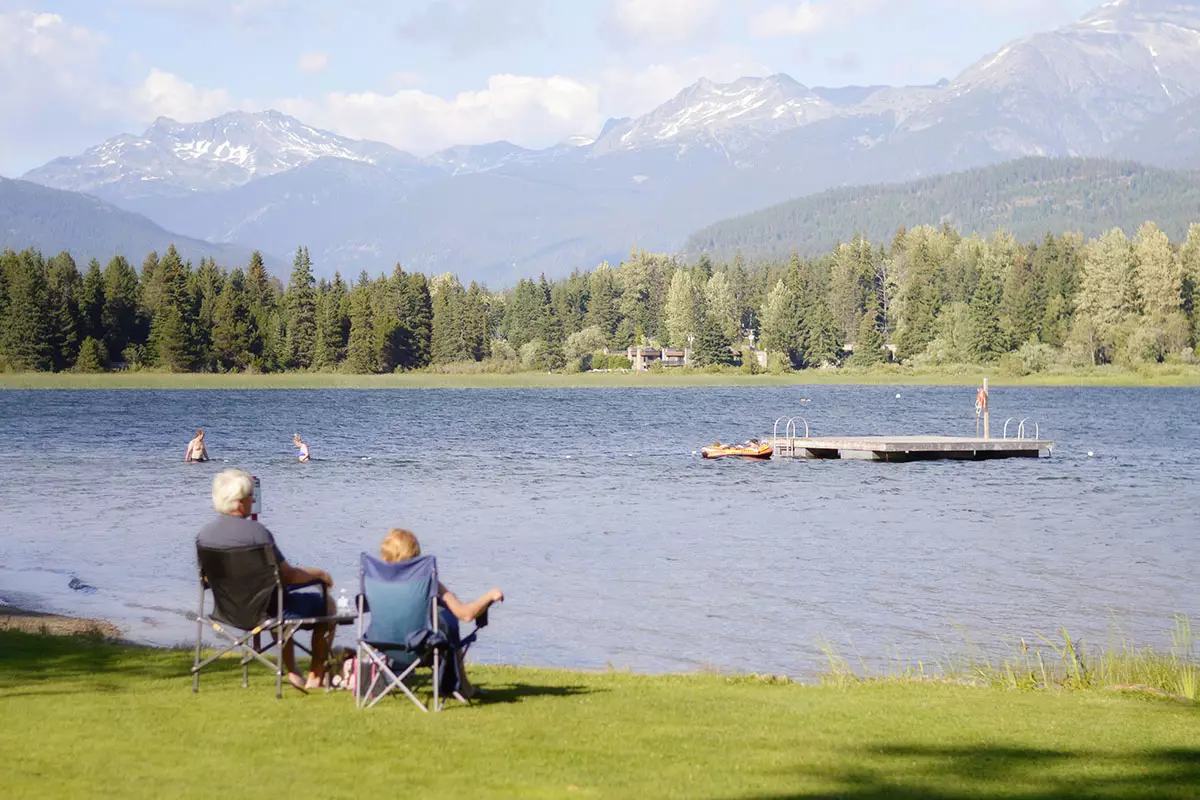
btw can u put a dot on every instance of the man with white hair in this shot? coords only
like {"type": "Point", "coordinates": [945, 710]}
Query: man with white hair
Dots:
{"type": "Point", "coordinates": [233, 497]}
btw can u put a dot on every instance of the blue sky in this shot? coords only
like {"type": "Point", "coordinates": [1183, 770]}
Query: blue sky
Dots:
{"type": "Point", "coordinates": [425, 74]}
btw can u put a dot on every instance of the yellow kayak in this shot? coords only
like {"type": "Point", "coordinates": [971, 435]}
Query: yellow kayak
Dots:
{"type": "Point", "coordinates": [741, 450]}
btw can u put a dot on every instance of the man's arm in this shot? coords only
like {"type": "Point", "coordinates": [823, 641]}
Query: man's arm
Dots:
{"type": "Point", "coordinates": [294, 575]}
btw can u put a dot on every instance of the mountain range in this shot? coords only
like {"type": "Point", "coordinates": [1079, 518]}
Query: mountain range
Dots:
{"type": "Point", "coordinates": [1123, 82]}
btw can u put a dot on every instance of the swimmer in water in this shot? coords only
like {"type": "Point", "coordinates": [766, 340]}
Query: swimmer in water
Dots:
{"type": "Point", "coordinates": [303, 447]}
{"type": "Point", "coordinates": [196, 451]}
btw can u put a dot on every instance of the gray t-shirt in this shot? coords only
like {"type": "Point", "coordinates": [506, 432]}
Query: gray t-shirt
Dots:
{"type": "Point", "coordinates": [227, 532]}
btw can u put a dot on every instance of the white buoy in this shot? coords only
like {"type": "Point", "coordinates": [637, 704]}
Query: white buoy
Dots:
{"type": "Point", "coordinates": [897, 396]}
{"type": "Point", "coordinates": [1090, 453]}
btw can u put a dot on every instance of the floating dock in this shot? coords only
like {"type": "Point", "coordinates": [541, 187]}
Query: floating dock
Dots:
{"type": "Point", "coordinates": [908, 448]}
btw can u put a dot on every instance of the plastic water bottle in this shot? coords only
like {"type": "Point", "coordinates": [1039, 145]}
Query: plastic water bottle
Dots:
{"type": "Point", "coordinates": [343, 603]}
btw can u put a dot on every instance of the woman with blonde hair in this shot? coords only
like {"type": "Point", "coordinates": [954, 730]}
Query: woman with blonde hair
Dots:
{"type": "Point", "coordinates": [402, 545]}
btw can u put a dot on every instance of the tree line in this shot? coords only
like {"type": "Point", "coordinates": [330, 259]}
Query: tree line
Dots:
{"type": "Point", "coordinates": [930, 296]}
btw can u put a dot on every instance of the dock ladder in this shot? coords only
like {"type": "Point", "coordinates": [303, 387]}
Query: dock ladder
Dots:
{"type": "Point", "coordinates": [786, 445]}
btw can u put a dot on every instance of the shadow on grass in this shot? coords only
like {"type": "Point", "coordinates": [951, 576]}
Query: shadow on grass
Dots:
{"type": "Point", "coordinates": [518, 692]}
{"type": "Point", "coordinates": [957, 773]}
{"type": "Point", "coordinates": [91, 663]}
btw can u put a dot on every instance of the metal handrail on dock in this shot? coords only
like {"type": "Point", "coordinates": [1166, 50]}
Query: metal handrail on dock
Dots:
{"type": "Point", "coordinates": [786, 445]}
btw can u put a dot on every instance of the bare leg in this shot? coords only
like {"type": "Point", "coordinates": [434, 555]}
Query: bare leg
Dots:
{"type": "Point", "coordinates": [320, 654]}
{"type": "Point", "coordinates": [289, 663]}
{"type": "Point", "coordinates": [322, 638]}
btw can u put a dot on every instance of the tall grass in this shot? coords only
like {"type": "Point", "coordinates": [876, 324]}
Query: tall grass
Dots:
{"type": "Point", "coordinates": [1063, 664]}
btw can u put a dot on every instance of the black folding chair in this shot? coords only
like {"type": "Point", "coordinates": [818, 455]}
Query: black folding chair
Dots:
{"type": "Point", "coordinates": [247, 600]}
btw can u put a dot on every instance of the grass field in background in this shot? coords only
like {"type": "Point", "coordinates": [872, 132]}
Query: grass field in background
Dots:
{"type": "Point", "coordinates": [82, 717]}
{"type": "Point", "coordinates": [1163, 375]}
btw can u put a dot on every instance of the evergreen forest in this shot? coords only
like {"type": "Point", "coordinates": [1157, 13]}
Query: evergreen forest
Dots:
{"type": "Point", "coordinates": [930, 296]}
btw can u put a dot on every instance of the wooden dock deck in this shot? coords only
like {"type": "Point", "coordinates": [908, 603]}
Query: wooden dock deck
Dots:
{"type": "Point", "coordinates": [908, 448]}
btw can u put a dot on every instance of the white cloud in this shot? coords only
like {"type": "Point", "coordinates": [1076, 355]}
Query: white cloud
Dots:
{"type": "Point", "coordinates": [808, 17]}
{"type": "Point", "coordinates": [162, 94]}
{"type": "Point", "coordinates": [311, 63]}
{"type": "Point", "coordinates": [780, 20]}
{"type": "Point", "coordinates": [662, 21]}
{"type": "Point", "coordinates": [518, 108]}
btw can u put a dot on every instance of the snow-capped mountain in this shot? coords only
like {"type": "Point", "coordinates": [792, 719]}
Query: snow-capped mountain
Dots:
{"type": "Point", "coordinates": [1075, 90]}
{"type": "Point", "coordinates": [1124, 79]}
{"type": "Point", "coordinates": [730, 116]}
{"type": "Point", "coordinates": [231, 150]}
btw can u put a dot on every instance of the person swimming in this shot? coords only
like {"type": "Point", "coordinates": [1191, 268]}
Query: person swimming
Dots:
{"type": "Point", "coordinates": [196, 451]}
{"type": "Point", "coordinates": [303, 447]}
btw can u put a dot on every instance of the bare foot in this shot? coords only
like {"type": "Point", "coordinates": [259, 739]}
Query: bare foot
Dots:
{"type": "Point", "coordinates": [297, 682]}
{"type": "Point", "coordinates": [313, 683]}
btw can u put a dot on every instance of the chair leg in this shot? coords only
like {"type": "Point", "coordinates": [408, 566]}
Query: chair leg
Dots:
{"type": "Point", "coordinates": [279, 662]}
{"type": "Point", "coordinates": [436, 681]}
{"type": "Point", "coordinates": [199, 639]}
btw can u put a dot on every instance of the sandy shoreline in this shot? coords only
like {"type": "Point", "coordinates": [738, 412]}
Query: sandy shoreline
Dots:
{"type": "Point", "coordinates": [20, 619]}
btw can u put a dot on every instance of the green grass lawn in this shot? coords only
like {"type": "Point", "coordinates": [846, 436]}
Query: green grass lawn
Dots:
{"type": "Point", "coordinates": [1161, 375]}
{"type": "Point", "coordinates": [86, 718]}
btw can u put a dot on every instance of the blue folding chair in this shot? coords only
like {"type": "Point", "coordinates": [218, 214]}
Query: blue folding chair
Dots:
{"type": "Point", "coordinates": [403, 633]}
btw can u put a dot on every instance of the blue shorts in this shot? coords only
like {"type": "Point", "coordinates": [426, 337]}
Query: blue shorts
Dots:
{"type": "Point", "coordinates": [301, 604]}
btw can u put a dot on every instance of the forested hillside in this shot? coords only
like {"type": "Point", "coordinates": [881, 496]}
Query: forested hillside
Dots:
{"type": "Point", "coordinates": [51, 219]}
{"type": "Point", "coordinates": [936, 296]}
{"type": "Point", "coordinates": [1028, 198]}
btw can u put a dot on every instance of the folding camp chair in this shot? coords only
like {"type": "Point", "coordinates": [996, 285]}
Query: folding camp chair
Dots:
{"type": "Point", "coordinates": [247, 600]}
{"type": "Point", "coordinates": [404, 633]}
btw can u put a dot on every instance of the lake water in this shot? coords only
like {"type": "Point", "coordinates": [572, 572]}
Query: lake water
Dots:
{"type": "Point", "coordinates": [614, 542]}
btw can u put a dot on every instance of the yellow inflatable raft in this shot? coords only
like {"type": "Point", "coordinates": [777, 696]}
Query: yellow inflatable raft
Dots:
{"type": "Point", "coordinates": [748, 450]}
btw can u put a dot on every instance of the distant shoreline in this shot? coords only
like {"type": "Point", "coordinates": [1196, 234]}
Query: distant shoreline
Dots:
{"type": "Point", "coordinates": [1159, 376]}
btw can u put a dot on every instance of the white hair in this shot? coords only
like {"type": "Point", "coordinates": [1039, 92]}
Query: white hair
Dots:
{"type": "Point", "coordinates": [230, 488]}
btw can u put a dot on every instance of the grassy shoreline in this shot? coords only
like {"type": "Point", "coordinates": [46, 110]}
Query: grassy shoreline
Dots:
{"type": "Point", "coordinates": [1159, 376]}
{"type": "Point", "coordinates": [85, 717]}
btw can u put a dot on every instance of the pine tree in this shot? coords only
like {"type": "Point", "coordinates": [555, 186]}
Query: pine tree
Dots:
{"type": "Point", "coordinates": [172, 331]}
{"type": "Point", "coordinates": [721, 305]}
{"type": "Point", "coordinates": [633, 280]}
{"type": "Point", "coordinates": [850, 283]}
{"type": "Point", "coordinates": [333, 326]}
{"type": "Point", "coordinates": [119, 316]}
{"type": "Point", "coordinates": [24, 329]}
{"type": "Point", "coordinates": [91, 302]}
{"type": "Point", "coordinates": [385, 325]}
{"type": "Point", "coordinates": [447, 321]}
{"type": "Point", "coordinates": [822, 340]}
{"type": "Point", "coordinates": [236, 340]}
{"type": "Point", "coordinates": [1159, 273]}
{"type": "Point", "coordinates": [205, 285]}
{"type": "Point", "coordinates": [986, 337]}
{"type": "Point", "coordinates": [1190, 261]}
{"type": "Point", "coordinates": [780, 321]}
{"type": "Point", "coordinates": [523, 313]}
{"type": "Point", "coordinates": [868, 345]}
{"type": "Point", "coordinates": [91, 356]}
{"type": "Point", "coordinates": [550, 331]}
{"type": "Point", "coordinates": [416, 312]}
{"type": "Point", "coordinates": [360, 348]}
{"type": "Point", "coordinates": [711, 346]}
{"type": "Point", "coordinates": [301, 317]}
{"type": "Point", "coordinates": [1105, 293]}
{"type": "Point", "coordinates": [63, 287]}
{"type": "Point", "coordinates": [1023, 306]}
{"type": "Point", "coordinates": [476, 335]}
{"type": "Point", "coordinates": [682, 312]}
{"type": "Point", "coordinates": [602, 302]}
{"type": "Point", "coordinates": [151, 289]}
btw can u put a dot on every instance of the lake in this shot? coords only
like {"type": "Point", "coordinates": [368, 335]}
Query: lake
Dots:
{"type": "Point", "coordinates": [615, 543]}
